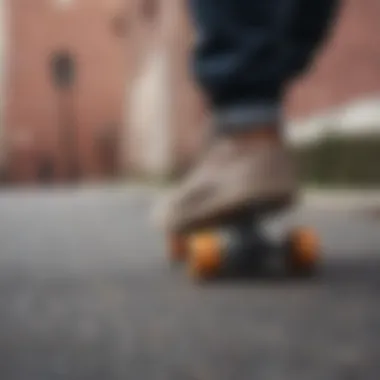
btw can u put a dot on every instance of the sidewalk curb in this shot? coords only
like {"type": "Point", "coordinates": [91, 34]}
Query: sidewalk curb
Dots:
{"type": "Point", "coordinates": [343, 198]}
{"type": "Point", "coordinates": [324, 198]}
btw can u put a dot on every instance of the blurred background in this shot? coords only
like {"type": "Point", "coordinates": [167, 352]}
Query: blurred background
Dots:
{"type": "Point", "coordinates": [98, 92]}
{"type": "Point", "coordinates": [95, 90]}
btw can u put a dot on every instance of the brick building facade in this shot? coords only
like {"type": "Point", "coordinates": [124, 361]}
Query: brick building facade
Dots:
{"type": "Point", "coordinates": [67, 66]}
{"type": "Point", "coordinates": [98, 88]}
{"type": "Point", "coordinates": [347, 68]}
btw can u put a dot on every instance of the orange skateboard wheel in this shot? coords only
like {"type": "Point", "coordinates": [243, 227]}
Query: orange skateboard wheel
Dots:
{"type": "Point", "coordinates": [205, 255]}
{"type": "Point", "coordinates": [304, 249]}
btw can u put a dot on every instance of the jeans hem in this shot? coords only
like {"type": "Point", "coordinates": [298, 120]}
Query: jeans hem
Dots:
{"type": "Point", "coordinates": [247, 117]}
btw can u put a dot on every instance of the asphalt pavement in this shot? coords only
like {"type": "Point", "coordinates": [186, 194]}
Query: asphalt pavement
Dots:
{"type": "Point", "coordinates": [86, 293]}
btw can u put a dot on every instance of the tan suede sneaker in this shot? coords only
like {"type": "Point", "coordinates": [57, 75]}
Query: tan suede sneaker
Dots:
{"type": "Point", "coordinates": [232, 176]}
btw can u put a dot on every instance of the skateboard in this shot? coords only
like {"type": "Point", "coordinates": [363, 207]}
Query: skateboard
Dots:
{"type": "Point", "coordinates": [241, 247]}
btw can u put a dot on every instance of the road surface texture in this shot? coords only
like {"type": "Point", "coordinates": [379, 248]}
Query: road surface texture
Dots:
{"type": "Point", "coordinates": [86, 293]}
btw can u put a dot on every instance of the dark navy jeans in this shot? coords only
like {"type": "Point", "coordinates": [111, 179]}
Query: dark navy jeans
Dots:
{"type": "Point", "coordinates": [247, 51]}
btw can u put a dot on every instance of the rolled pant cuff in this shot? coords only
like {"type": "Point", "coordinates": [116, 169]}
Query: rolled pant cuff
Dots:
{"type": "Point", "coordinates": [247, 117]}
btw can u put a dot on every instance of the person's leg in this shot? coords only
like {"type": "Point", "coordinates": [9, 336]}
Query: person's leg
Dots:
{"type": "Point", "coordinates": [247, 51]}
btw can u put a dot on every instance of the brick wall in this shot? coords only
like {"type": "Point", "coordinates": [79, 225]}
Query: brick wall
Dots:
{"type": "Point", "coordinates": [46, 128]}
{"type": "Point", "coordinates": [347, 68]}
{"type": "Point", "coordinates": [133, 89]}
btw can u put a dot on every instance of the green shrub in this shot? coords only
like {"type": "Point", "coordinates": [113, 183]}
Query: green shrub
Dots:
{"type": "Point", "coordinates": [346, 161]}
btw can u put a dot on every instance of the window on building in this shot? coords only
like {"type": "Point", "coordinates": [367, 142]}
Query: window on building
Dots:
{"type": "Point", "coordinates": [63, 69]}
{"type": "Point", "coordinates": [119, 25]}
{"type": "Point", "coordinates": [150, 9]}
